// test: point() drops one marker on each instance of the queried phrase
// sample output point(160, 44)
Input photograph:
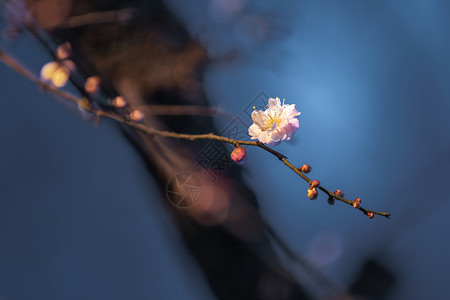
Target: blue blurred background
point(372, 81)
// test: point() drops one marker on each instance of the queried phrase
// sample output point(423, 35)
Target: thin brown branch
point(154, 132)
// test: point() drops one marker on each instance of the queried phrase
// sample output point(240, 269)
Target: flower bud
point(92, 84)
point(315, 183)
point(136, 115)
point(239, 155)
point(69, 64)
point(331, 200)
point(339, 193)
point(60, 77)
point(119, 102)
point(64, 51)
point(305, 168)
point(357, 200)
point(48, 69)
point(370, 214)
point(355, 204)
point(312, 193)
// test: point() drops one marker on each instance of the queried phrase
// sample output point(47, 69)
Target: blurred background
point(84, 212)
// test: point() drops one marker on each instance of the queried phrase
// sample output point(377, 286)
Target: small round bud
point(92, 84)
point(370, 214)
point(48, 69)
point(136, 115)
point(331, 200)
point(69, 65)
point(119, 102)
point(64, 51)
point(239, 155)
point(339, 193)
point(357, 200)
point(60, 77)
point(355, 204)
point(312, 193)
point(315, 183)
point(305, 168)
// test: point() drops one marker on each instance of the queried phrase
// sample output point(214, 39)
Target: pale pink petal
point(254, 131)
point(274, 102)
point(278, 135)
point(259, 117)
point(294, 112)
point(273, 143)
point(294, 122)
point(264, 137)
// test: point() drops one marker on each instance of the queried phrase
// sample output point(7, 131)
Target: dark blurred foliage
point(374, 281)
point(149, 58)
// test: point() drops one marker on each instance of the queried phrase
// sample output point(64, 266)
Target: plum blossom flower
point(275, 124)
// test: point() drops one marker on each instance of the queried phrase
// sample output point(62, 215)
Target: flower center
point(274, 120)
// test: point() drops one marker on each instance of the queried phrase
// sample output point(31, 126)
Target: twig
point(154, 132)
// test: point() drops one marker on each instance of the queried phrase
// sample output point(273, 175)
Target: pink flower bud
point(370, 214)
point(136, 115)
point(239, 155)
point(315, 183)
point(64, 51)
point(69, 65)
point(92, 84)
point(339, 193)
point(305, 168)
point(119, 102)
point(312, 193)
